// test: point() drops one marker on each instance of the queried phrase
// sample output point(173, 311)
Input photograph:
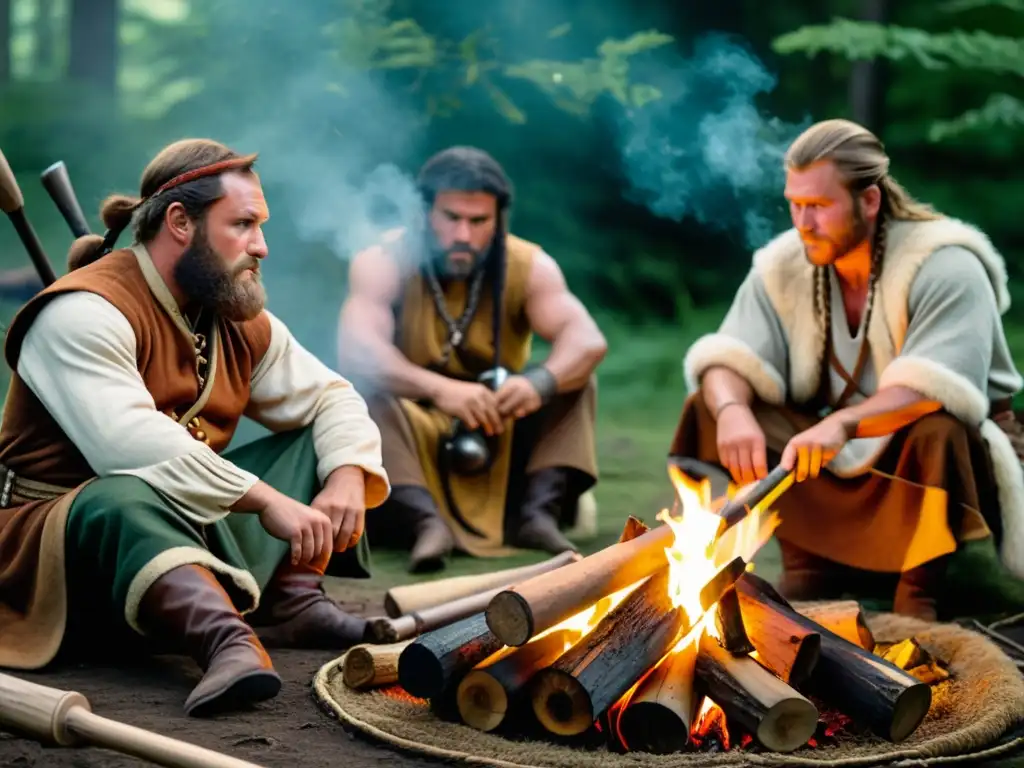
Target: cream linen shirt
point(78, 358)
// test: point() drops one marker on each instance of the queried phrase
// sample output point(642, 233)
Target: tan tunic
point(420, 336)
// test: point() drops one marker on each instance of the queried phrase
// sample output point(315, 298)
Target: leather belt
point(21, 490)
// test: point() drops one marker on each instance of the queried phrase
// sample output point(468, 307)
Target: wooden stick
point(869, 689)
point(843, 617)
point(66, 718)
point(659, 715)
point(595, 673)
point(540, 603)
point(370, 666)
point(788, 648)
point(487, 692)
point(778, 717)
point(395, 629)
point(729, 621)
point(384, 629)
point(414, 598)
point(437, 660)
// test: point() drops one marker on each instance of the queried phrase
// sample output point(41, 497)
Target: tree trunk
point(868, 78)
point(5, 42)
point(44, 32)
point(94, 43)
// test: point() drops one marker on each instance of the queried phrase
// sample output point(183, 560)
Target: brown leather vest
point(33, 445)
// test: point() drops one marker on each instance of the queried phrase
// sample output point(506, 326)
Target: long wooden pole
point(66, 718)
point(415, 598)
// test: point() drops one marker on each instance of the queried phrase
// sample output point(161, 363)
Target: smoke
point(704, 149)
point(330, 182)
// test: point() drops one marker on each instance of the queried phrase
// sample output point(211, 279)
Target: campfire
point(666, 641)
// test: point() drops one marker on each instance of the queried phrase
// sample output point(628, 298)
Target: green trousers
point(121, 531)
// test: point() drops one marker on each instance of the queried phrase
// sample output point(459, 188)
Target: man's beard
point(851, 238)
point(206, 280)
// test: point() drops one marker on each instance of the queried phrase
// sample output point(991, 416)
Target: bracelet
point(543, 381)
point(725, 405)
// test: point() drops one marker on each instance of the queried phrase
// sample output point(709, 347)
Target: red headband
point(207, 170)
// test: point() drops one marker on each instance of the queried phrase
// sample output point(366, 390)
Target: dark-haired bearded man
point(421, 325)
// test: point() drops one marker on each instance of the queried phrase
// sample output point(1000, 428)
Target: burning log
point(486, 695)
point(594, 674)
point(788, 648)
point(542, 602)
point(778, 717)
point(844, 618)
point(436, 661)
point(414, 598)
point(871, 690)
point(370, 666)
point(729, 622)
point(660, 714)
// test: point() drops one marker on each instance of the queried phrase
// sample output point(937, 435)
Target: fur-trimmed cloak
point(781, 356)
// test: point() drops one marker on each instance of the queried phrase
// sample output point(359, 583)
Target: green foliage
point(575, 86)
point(976, 50)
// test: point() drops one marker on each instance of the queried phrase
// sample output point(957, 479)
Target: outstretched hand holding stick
point(12, 202)
point(767, 490)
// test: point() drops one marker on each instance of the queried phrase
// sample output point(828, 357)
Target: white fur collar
point(789, 280)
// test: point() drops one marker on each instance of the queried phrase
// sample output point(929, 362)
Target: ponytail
point(116, 213)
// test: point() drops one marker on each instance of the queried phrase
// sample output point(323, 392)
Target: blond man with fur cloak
point(871, 303)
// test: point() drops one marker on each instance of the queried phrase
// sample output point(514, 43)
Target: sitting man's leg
point(133, 563)
point(554, 462)
point(409, 519)
point(152, 570)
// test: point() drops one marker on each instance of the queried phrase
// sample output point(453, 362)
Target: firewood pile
point(663, 642)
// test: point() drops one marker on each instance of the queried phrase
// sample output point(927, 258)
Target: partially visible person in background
point(420, 327)
point(871, 303)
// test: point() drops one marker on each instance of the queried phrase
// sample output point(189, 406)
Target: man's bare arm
point(721, 387)
point(558, 317)
point(367, 330)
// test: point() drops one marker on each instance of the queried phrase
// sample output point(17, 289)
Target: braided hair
point(860, 157)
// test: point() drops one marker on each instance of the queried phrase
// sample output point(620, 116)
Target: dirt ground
point(291, 731)
point(287, 732)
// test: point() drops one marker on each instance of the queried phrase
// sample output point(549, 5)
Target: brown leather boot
point(189, 606)
point(294, 612)
point(547, 492)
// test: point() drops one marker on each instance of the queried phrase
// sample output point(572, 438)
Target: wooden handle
point(65, 718)
point(38, 710)
point(11, 198)
point(162, 750)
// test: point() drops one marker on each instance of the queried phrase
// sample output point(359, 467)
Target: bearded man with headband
point(118, 507)
point(870, 304)
point(435, 320)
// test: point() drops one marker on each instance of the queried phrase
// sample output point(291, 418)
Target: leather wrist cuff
point(543, 381)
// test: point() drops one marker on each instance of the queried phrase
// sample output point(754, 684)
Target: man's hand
point(343, 500)
point(518, 398)
point(813, 448)
point(741, 444)
point(307, 529)
point(476, 405)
